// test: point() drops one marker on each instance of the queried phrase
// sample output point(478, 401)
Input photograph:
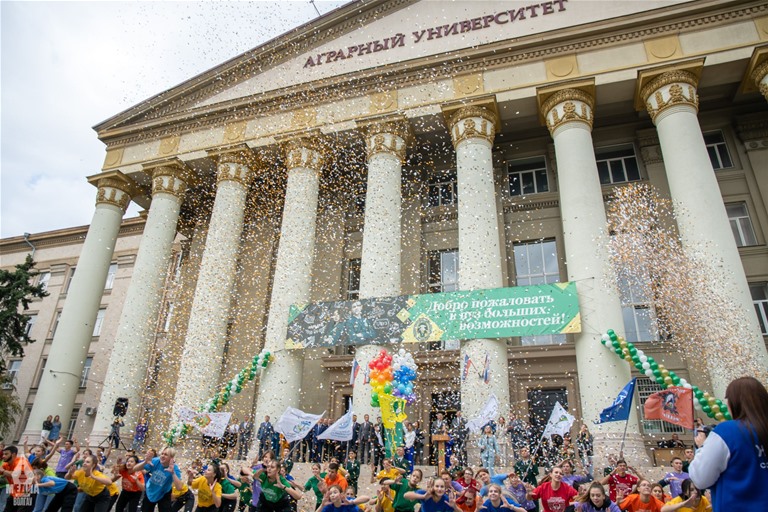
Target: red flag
point(673, 405)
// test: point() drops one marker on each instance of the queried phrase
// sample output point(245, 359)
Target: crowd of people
point(729, 470)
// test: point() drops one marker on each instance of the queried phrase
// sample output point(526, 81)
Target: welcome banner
point(497, 313)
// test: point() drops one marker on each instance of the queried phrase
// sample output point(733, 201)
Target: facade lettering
point(440, 31)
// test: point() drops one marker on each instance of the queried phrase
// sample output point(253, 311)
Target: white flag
point(487, 415)
point(560, 421)
point(295, 424)
point(341, 430)
point(211, 424)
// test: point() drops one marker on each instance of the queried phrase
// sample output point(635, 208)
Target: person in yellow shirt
point(690, 500)
point(385, 499)
point(389, 472)
point(182, 498)
point(208, 488)
point(93, 483)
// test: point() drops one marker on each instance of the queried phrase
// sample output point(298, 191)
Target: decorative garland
point(220, 399)
point(712, 407)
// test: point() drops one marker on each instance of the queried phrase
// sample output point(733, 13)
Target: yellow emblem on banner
point(392, 410)
point(290, 344)
point(404, 315)
point(422, 329)
point(573, 326)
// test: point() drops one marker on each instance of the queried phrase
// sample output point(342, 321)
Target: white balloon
point(401, 351)
point(643, 357)
point(646, 365)
point(649, 373)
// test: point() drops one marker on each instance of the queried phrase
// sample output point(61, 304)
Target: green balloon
point(375, 396)
point(675, 379)
point(388, 389)
point(654, 365)
point(632, 351)
point(619, 352)
point(656, 373)
point(707, 409)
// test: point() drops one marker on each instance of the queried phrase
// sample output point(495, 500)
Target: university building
point(395, 147)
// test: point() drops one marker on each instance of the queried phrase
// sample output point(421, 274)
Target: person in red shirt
point(620, 482)
point(466, 480)
point(555, 496)
point(642, 501)
point(20, 477)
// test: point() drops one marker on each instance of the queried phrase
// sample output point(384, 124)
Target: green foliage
point(16, 293)
point(10, 410)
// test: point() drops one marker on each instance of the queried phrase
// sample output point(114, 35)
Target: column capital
point(563, 104)
point(114, 188)
point(309, 151)
point(389, 135)
point(478, 121)
point(170, 176)
point(756, 76)
point(234, 163)
point(660, 89)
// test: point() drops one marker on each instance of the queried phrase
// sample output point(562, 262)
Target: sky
point(66, 66)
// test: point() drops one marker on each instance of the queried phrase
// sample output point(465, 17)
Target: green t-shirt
point(246, 493)
point(312, 483)
point(530, 476)
point(226, 486)
point(400, 503)
point(271, 492)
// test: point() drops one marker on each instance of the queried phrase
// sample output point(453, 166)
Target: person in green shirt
point(401, 504)
point(313, 484)
point(399, 460)
point(352, 465)
point(274, 489)
point(228, 491)
point(245, 491)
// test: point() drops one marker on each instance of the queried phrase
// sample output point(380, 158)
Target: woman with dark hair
point(733, 462)
point(595, 499)
point(689, 500)
point(208, 487)
point(133, 485)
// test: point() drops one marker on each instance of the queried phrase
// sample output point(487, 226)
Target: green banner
point(497, 313)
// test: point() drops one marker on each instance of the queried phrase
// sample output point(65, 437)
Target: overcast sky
point(66, 66)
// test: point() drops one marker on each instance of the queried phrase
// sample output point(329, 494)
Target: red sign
point(673, 405)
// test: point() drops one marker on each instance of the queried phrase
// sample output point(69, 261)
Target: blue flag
point(619, 410)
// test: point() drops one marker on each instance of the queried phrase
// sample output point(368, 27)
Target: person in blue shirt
point(496, 502)
point(162, 474)
point(733, 462)
point(63, 491)
point(435, 498)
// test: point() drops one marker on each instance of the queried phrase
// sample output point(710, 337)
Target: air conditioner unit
point(90, 411)
point(6, 385)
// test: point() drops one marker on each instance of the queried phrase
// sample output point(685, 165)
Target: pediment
point(367, 39)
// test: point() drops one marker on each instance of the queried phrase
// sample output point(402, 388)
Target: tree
point(16, 292)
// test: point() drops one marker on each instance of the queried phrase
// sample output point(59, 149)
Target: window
point(638, 312)
point(55, 324)
point(69, 281)
point(617, 164)
point(86, 371)
point(99, 322)
point(13, 371)
point(528, 176)
point(760, 299)
point(536, 263)
point(741, 225)
point(645, 388)
point(30, 323)
point(40, 372)
point(353, 279)
point(111, 276)
point(443, 271)
point(72, 423)
point(443, 189)
point(718, 150)
point(43, 279)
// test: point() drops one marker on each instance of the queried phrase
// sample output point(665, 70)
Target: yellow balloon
point(719, 416)
point(715, 408)
point(668, 380)
point(664, 372)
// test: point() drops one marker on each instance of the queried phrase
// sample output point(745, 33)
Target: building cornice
point(675, 19)
point(66, 236)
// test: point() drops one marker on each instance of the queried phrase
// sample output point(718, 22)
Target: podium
point(439, 440)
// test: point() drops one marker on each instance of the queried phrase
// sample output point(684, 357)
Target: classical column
point(569, 114)
point(60, 382)
point(472, 131)
point(280, 384)
point(671, 100)
point(380, 263)
point(208, 319)
point(138, 321)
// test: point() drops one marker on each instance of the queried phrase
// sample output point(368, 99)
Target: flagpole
point(533, 454)
point(626, 424)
